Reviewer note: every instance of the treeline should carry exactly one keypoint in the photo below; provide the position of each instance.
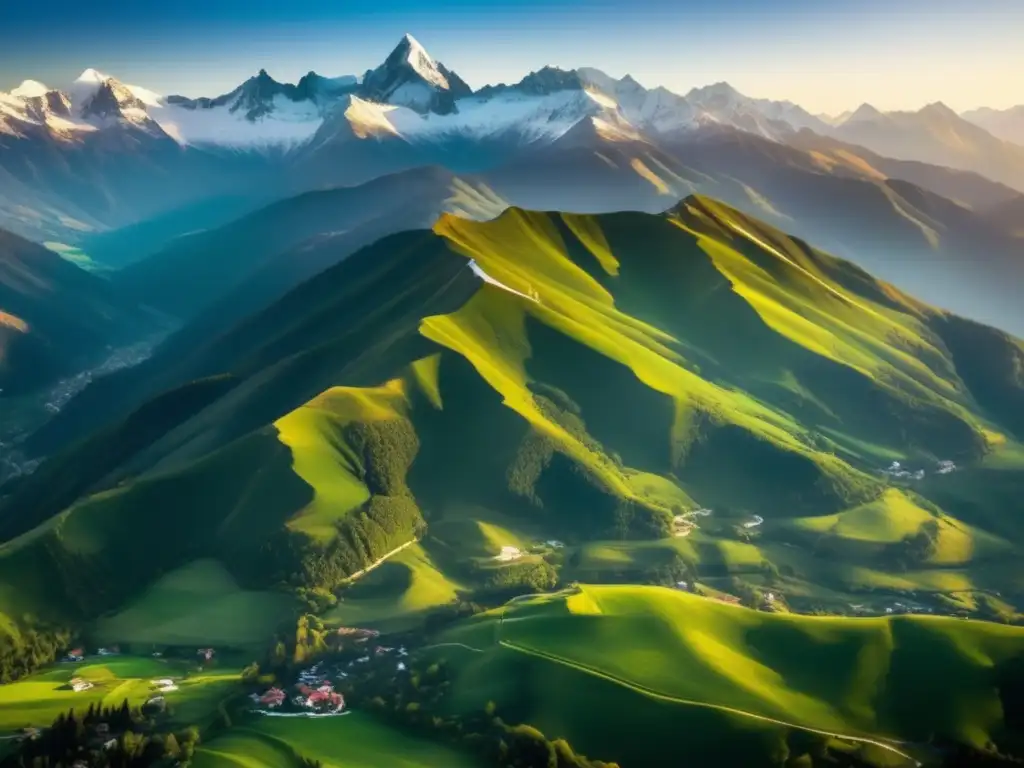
(414, 700)
(544, 476)
(31, 649)
(118, 737)
(666, 572)
(389, 519)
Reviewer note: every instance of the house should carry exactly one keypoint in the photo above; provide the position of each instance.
(554, 543)
(205, 653)
(78, 684)
(110, 744)
(357, 632)
(945, 467)
(508, 554)
(683, 585)
(362, 659)
(401, 666)
(381, 650)
(111, 651)
(77, 654)
(273, 698)
(727, 599)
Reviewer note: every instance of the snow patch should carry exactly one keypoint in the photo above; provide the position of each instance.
(146, 96)
(291, 123)
(479, 272)
(30, 89)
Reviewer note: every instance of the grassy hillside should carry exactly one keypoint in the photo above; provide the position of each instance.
(610, 373)
(900, 682)
(354, 741)
(39, 699)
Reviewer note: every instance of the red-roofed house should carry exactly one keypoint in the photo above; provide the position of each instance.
(272, 698)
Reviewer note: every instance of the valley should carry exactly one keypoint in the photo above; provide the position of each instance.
(489, 398)
(390, 421)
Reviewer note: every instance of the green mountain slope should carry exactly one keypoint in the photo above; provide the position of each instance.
(611, 372)
(737, 679)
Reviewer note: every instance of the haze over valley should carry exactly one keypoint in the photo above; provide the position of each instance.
(378, 419)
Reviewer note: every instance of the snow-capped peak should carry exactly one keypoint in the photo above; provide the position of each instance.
(92, 76)
(30, 89)
(421, 62)
(409, 77)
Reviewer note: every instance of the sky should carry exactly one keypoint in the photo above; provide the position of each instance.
(827, 55)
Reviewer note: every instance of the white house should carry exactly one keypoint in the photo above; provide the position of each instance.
(508, 554)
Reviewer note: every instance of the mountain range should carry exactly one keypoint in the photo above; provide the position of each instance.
(148, 154)
(532, 380)
(582, 379)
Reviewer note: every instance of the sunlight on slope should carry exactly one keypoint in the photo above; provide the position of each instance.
(699, 650)
(929, 233)
(884, 521)
(647, 174)
(325, 462)
(474, 201)
(409, 583)
(800, 301)
(526, 251)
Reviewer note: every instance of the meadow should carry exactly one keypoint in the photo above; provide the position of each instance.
(350, 741)
(39, 699)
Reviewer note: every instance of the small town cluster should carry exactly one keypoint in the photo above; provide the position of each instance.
(313, 692)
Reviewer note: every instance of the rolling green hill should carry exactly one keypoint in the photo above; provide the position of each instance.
(738, 680)
(443, 394)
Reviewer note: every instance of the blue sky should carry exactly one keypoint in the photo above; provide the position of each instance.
(828, 55)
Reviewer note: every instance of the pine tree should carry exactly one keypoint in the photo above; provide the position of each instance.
(171, 746)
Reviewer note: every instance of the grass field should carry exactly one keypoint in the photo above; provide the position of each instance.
(393, 595)
(893, 680)
(38, 700)
(351, 741)
(199, 603)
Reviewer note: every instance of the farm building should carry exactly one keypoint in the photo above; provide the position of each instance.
(78, 684)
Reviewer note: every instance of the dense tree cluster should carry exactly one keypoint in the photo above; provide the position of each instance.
(500, 584)
(113, 737)
(917, 548)
(387, 520)
(26, 652)
(543, 474)
(414, 699)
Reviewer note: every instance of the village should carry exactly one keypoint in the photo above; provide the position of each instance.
(314, 691)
